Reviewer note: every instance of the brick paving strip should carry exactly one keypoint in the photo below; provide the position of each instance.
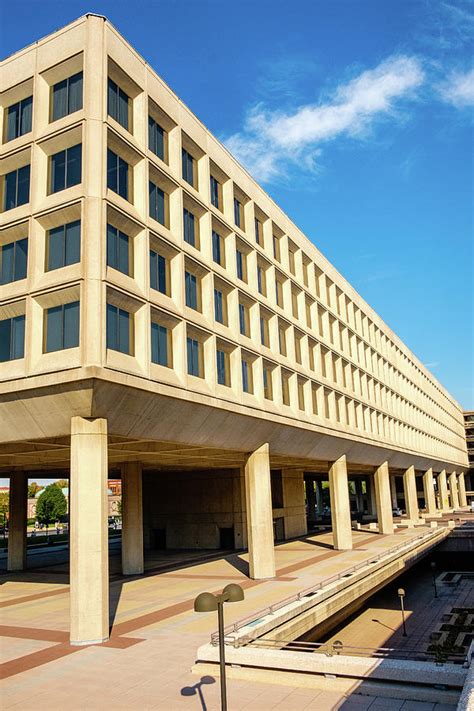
(117, 641)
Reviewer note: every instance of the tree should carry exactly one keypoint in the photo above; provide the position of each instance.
(62, 483)
(33, 489)
(51, 505)
(4, 505)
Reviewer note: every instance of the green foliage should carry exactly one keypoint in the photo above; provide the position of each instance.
(33, 489)
(51, 505)
(62, 483)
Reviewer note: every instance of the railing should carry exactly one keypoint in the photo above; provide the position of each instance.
(334, 649)
(314, 589)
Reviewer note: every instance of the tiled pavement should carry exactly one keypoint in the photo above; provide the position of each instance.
(155, 634)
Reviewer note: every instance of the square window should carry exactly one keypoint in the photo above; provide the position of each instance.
(13, 261)
(19, 118)
(158, 272)
(64, 245)
(67, 96)
(12, 338)
(160, 345)
(66, 168)
(118, 104)
(118, 250)
(119, 329)
(62, 327)
(188, 167)
(156, 138)
(16, 190)
(117, 174)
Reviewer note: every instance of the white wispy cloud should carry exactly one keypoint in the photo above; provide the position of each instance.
(271, 140)
(458, 89)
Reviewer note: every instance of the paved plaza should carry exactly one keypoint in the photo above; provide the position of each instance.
(155, 633)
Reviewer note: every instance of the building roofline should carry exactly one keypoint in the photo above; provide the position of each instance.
(373, 313)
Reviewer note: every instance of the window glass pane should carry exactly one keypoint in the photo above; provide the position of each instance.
(191, 290)
(237, 212)
(18, 337)
(60, 100)
(216, 247)
(112, 99)
(112, 327)
(123, 178)
(75, 92)
(245, 376)
(5, 339)
(123, 109)
(218, 306)
(221, 367)
(10, 190)
(26, 114)
(21, 259)
(73, 242)
(214, 192)
(123, 253)
(73, 170)
(71, 325)
(153, 269)
(58, 171)
(159, 344)
(112, 160)
(157, 203)
(13, 121)
(189, 232)
(124, 331)
(162, 274)
(23, 185)
(56, 248)
(112, 246)
(54, 329)
(8, 251)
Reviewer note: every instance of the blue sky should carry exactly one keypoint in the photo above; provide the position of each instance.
(356, 116)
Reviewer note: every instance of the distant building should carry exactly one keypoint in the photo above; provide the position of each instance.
(113, 499)
(469, 424)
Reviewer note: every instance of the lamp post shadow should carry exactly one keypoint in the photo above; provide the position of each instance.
(197, 689)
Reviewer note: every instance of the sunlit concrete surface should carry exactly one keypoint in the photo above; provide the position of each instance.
(155, 632)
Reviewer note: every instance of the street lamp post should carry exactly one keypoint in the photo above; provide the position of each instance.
(401, 595)
(208, 602)
(433, 572)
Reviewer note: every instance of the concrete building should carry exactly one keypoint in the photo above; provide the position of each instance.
(469, 425)
(160, 316)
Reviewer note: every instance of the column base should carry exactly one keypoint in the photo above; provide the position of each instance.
(92, 641)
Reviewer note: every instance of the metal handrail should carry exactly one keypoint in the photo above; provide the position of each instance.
(335, 649)
(270, 609)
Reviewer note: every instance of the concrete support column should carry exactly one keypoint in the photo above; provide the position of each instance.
(443, 491)
(393, 491)
(428, 488)
(340, 505)
(411, 498)
(383, 499)
(453, 490)
(462, 490)
(17, 521)
(132, 519)
(89, 559)
(258, 494)
(293, 503)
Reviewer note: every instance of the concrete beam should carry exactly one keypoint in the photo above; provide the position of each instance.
(383, 499)
(258, 495)
(17, 521)
(340, 505)
(89, 558)
(132, 519)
